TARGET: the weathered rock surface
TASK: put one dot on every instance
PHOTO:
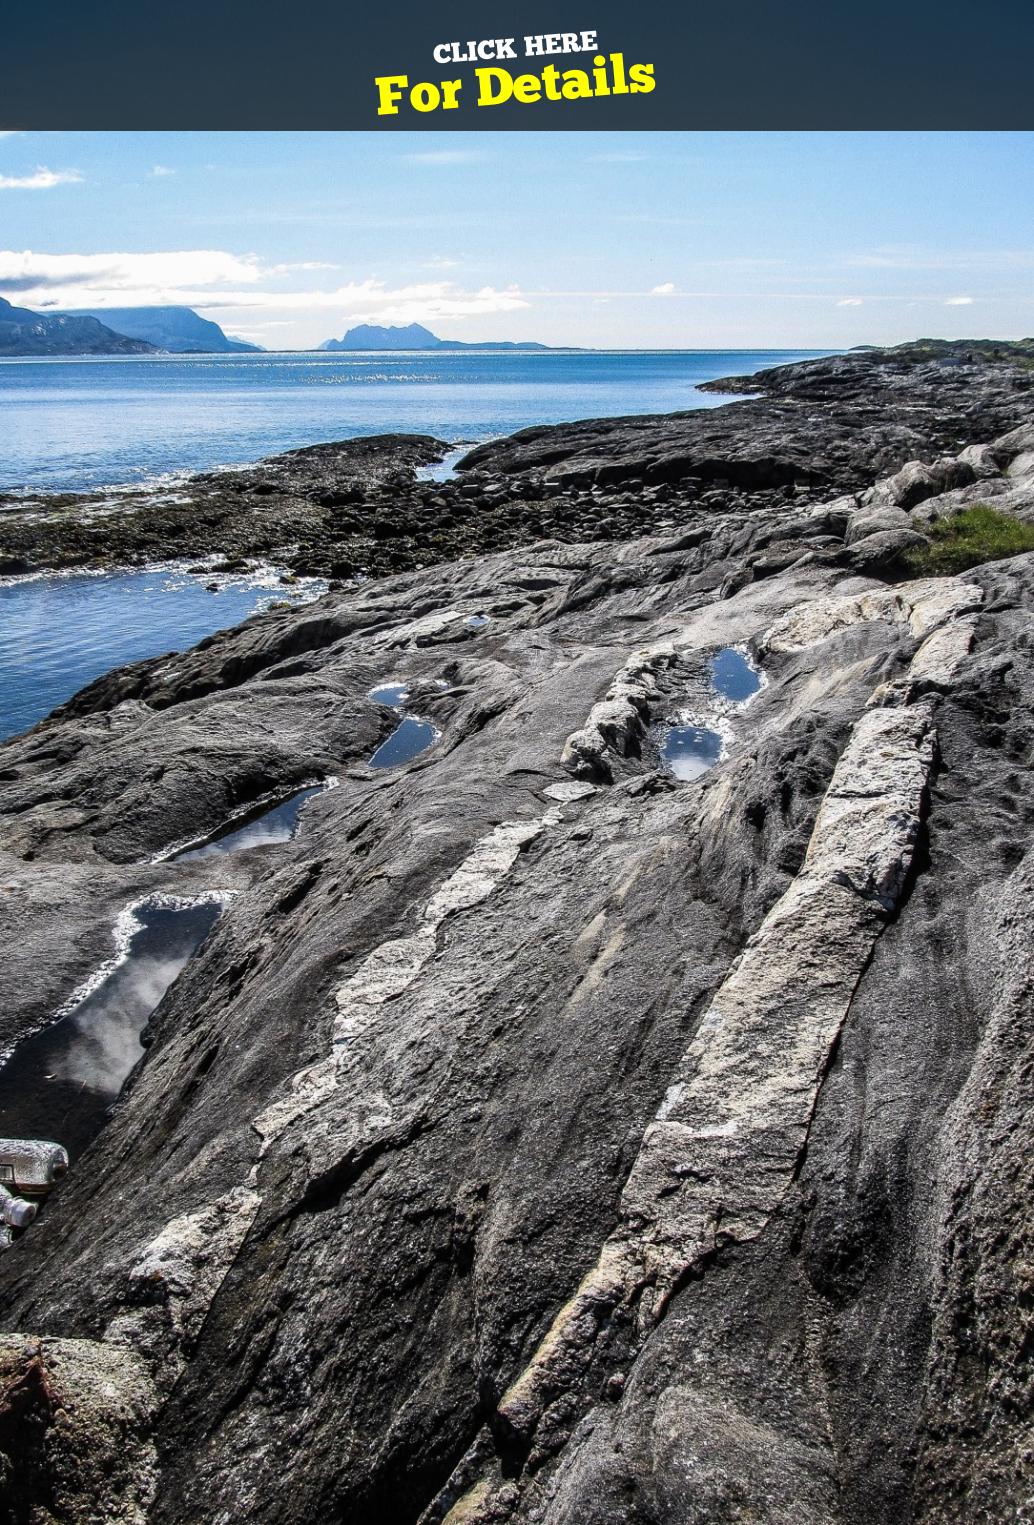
(536, 1138)
(831, 424)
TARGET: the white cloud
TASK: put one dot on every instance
(890, 258)
(92, 280)
(302, 264)
(215, 279)
(667, 290)
(850, 302)
(42, 180)
(959, 302)
(443, 156)
(257, 329)
(372, 301)
(886, 260)
(10, 133)
(161, 170)
(438, 302)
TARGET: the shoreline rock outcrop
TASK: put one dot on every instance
(358, 508)
(536, 1148)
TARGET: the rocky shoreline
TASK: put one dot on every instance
(537, 1137)
(358, 508)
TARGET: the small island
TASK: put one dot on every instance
(410, 336)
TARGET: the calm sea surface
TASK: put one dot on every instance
(59, 633)
(66, 425)
(73, 425)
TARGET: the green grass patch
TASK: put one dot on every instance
(968, 538)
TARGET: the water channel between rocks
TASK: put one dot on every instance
(411, 736)
(262, 826)
(60, 1083)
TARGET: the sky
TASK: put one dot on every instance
(624, 240)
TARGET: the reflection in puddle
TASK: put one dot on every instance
(391, 694)
(412, 735)
(686, 746)
(733, 676)
(61, 1082)
(689, 750)
(257, 827)
(477, 621)
(407, 741)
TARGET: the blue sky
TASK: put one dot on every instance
(698, 240)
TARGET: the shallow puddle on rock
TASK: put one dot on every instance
(688, 750)
(733, 675)
(60, 1083)
(260, 827)
(407, 741)
(477, 621)
(391, 694)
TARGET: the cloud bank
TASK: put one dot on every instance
(43, 180)
(214, 278)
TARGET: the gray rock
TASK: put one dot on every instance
(984, 459)
(875, 520)
(1015, 442)
(883, 553)
(673, 1167)
(568, 793)
(911, 485)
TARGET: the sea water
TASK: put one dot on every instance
(76, 424)
(59, 633)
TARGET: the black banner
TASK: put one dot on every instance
(581, 65)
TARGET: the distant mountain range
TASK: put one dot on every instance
(181, 331)
(412, 336)
(177, 330)
(34, 333)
